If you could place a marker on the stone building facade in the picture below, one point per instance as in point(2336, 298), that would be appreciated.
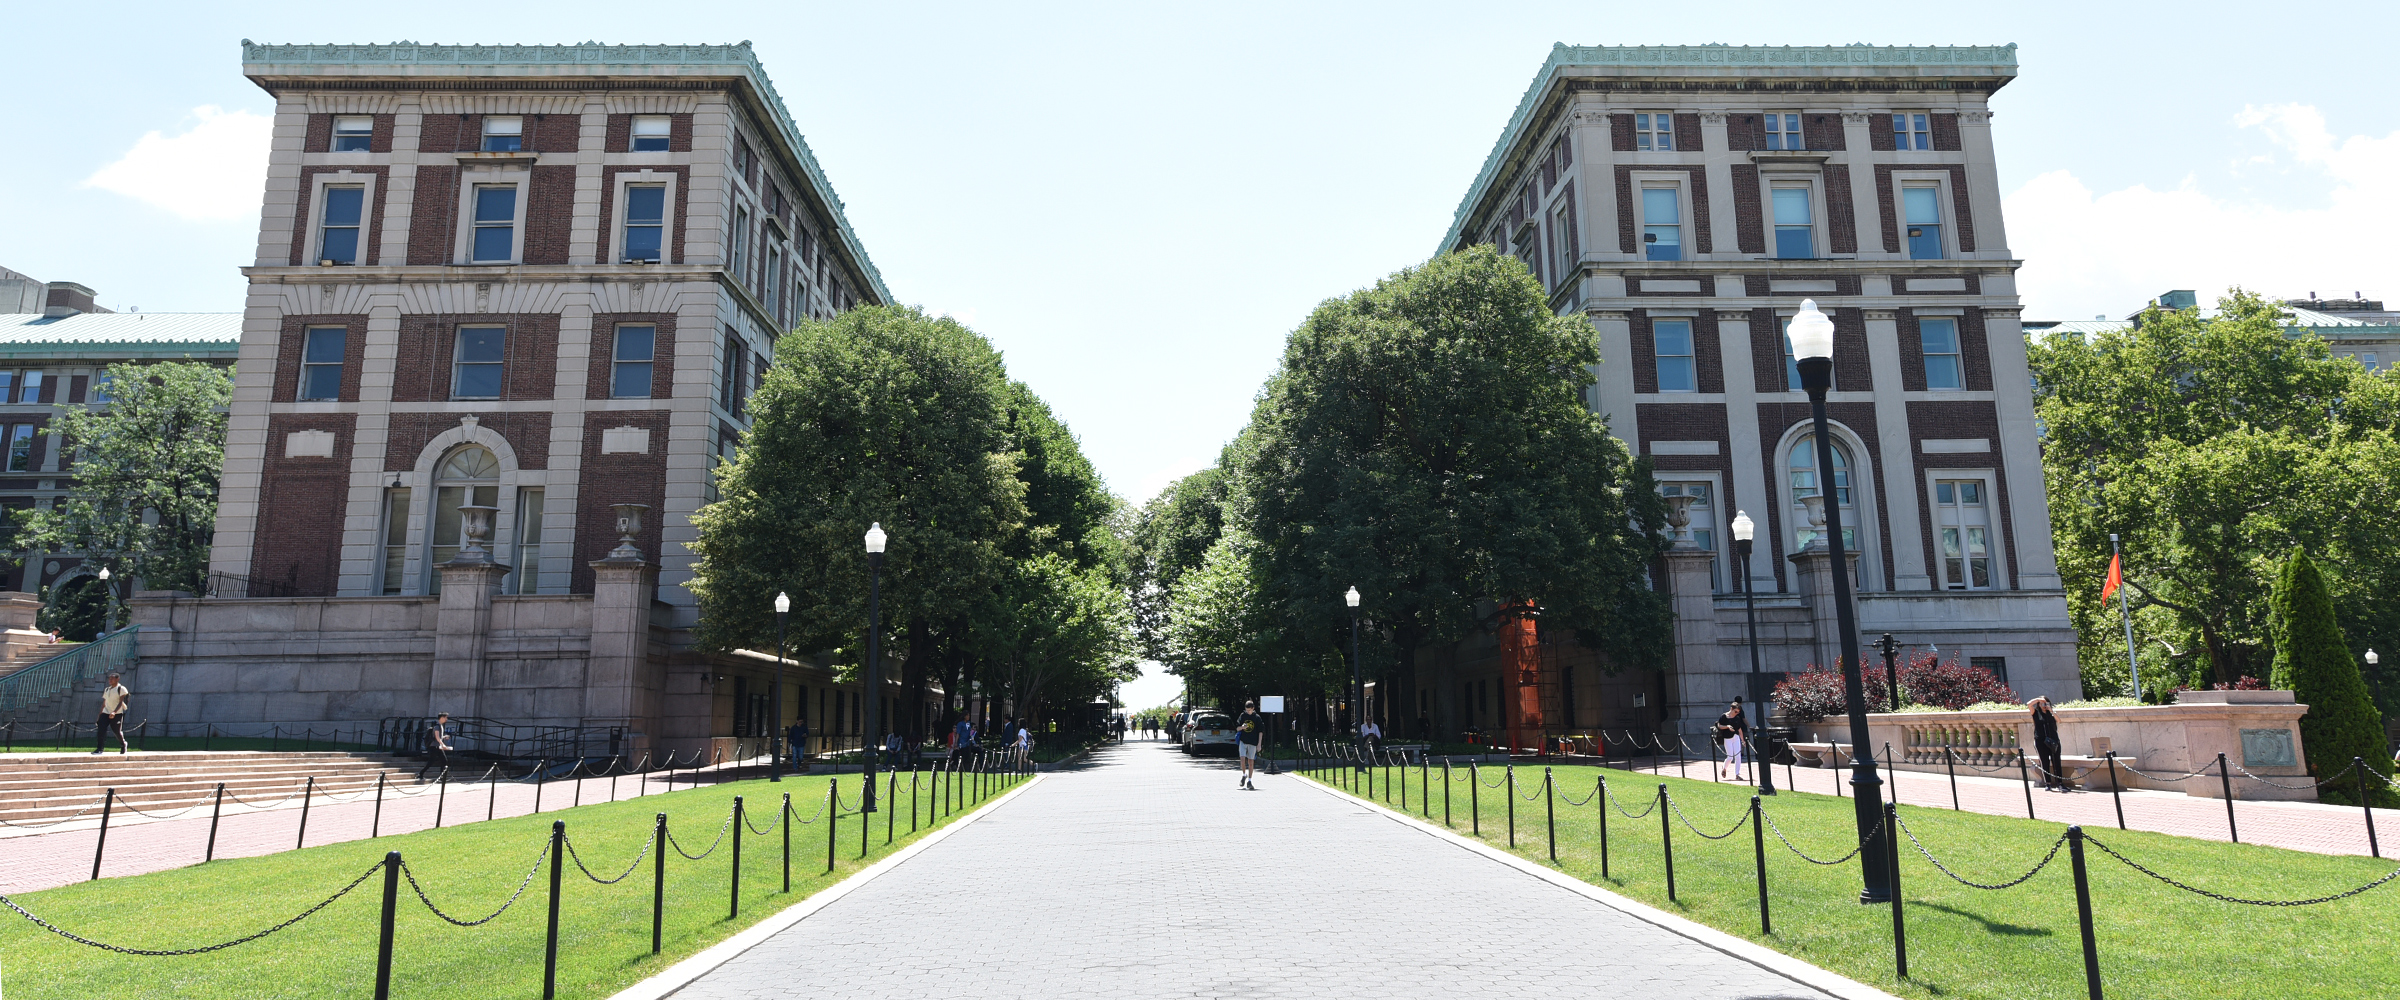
point(1685, 200)
point(512, 288)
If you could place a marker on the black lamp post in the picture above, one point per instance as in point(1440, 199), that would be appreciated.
point(1358, 683)
point(1812, 351)
point(1890, 648)
point(783, 614)
point(1744, 530)
point(868, 721)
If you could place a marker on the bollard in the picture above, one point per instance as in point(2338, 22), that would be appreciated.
point(2116, 789)
point(107, 806)
point(383, 945)
point(1600, 802)
point(1891, 826)
point(213, 812)
point(541, 772)
point(441, 796)
point(1445, 793)
point(1403, 785)
point(1837, 756)
point(2365, 804)
point(890, 817)
point(733, 906)
point(1789, 775)
point(1891, 774)
point(1425, 785)
point(2083, 912)
point(1666, 840)
point(1550, 812)
point(306, 793)
point(1716, 763)
point(1511, 790)
point(658, 881)
point(2225, 779)
point(491, 780)
point(786, 820)
point(1474, 800)
point(2026, 780)
point(1952, 760)
point(558, 846)
point(577, 786)
point(375, 829)
point(1758, 842)
point(833, 820)
point(1679, 771)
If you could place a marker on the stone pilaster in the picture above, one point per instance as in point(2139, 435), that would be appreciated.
point(618, 690)
point(1814, 566)
point(1696, 666)
point(462, 629)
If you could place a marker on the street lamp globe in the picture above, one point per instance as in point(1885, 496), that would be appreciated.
point(1744, 529)
point(1811, 332)
point(1351, 598)
point(104, 578)
point(783, 603)
point(875, 538)
point(2373, 659)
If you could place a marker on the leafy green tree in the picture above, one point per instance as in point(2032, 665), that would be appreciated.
point(2313, 661)
point(1169, 538)
point(143, 500)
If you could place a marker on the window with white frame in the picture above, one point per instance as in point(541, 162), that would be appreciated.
point(650, 133)
point(1921, 211)
point(495, 224)
point(2367, 358)
point(1937, 337)
point(645, 222)
point(353, 133)
point(636, 353)
point(338, 223)
point(1662, 221)
point(476, 365)
point(20, 447)
point(1962, 522)
point(1703, 521)
point(503, 134)
point(525, 573)
point(1795, 222)
point(1910, 131)
point(1807, 483)
point(29, 387)
point(469, 476)
point(321, 362)
point(772, 276)
point(1783, 130)
point(1562, 241)
point(1672, 340)
point(1654, 130)
point(394, 566)
point(741, 245)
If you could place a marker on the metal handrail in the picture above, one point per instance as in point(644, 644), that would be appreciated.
point(68, 670)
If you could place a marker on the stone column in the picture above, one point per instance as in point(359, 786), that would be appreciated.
point(1814, 566)
point(1696, 667)
point(463, 623)
point(617, 691)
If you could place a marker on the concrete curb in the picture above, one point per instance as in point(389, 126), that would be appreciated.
point(675, 977)
point(1830, 983)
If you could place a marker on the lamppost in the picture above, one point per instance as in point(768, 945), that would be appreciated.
point(1890, 648)
point(875, 540)
point(783, 613)
point(1358, 683)
point(1811, 337)
point(1744, 530)
point(108, 624)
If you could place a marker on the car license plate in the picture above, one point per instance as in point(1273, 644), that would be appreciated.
point(1216, 732)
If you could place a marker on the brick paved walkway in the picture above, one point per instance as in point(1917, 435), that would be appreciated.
point(1147, 873)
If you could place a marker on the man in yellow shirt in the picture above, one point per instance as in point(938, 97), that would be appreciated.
point(114, 700)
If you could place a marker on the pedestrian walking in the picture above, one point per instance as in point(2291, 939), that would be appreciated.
point(1246, 732)
point(1732, 730)
point(114, 700)
point(2045, 743)
point(795, 739)
point(437, 745)
point(1372, 734)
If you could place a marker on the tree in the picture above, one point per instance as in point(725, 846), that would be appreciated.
point(143, 500)
point(2313, 661)
point(1170, 537)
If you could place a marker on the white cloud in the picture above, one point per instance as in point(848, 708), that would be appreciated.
point(214, 171)
point(2108, 253)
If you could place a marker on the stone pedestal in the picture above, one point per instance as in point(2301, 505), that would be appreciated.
point(1698, 674)
point(462, 629)
point(620, 690)
point(1814, 566)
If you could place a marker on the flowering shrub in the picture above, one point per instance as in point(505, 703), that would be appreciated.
point(1816, 693)
point(2244, 683)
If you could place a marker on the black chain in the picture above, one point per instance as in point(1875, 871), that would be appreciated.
point(712, 846)
point(69, 818)
point(1587, 800)
point(770, 827)
point(237, 800)
point(1646, 810)
point(1687, 821)
point(2010, 884)
point(411, 875)
point(587, 872)
point(1787, 842)
point(2311, 784)
point(138, 811)
point(119, 949)
point(2222, 898)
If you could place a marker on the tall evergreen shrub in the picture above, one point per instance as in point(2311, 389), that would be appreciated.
point(2313, 661)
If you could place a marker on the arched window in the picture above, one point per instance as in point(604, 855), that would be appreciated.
point(1806, 483)
point(469, 475)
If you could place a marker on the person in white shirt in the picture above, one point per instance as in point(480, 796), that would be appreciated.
point(114, 700)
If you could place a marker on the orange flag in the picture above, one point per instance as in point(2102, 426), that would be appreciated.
point(2116, 577)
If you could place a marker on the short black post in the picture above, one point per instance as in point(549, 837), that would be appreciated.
point(1666, 839)
point(491, 780)
point(2116, 789)
point(1891, 773)
point(108, 806)
point(1445, 792)
point(1679, 771)
point(307, 793)
point(1951, 759)
point(375, 829)
point(1550, 812)
point(214, 812)
point(1758, 841)
point(1474, 800)
point(1601, 802)
point(1512, 805)
point(1837, 762)
point(833, 820)
point(890, 817)
point(1716, 763)
point(1891, 826)
point(733, 906)
point(913, 796)
point(541, 774)
point(2026, 779)
point(1425, 785)
point(2225, 780)
point(441, 796)
point(391, 907)
point(558, 846)
point(2366, 805)
point(658, 881)
point(2083, 912)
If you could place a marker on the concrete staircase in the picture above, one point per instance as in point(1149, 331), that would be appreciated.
point(18, 651)
point(48, 787)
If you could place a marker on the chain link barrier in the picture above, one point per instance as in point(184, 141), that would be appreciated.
point(1687, 822)
point(1963, 880)
point(587, 871)
point(1804, 856)
point(69, 819)
point(2223, 898)
point(411, 875)
point(712, 846)
point(204, 949)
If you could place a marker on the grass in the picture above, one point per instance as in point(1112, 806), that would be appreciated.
point(2015, 944)
point(604, 930)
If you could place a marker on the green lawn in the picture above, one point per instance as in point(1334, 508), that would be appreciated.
point(2015, 944)
point(604, 930)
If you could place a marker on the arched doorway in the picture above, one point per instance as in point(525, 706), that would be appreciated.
point(469, 475)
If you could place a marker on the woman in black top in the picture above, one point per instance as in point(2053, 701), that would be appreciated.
point(2045, 743)
point(1733, 729)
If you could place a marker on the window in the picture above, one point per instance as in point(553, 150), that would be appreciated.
point(645, 221)
point(338, 237)
point(1909, 131)
point(1805, 483)
point(20, 448)
point(1662, 218)
point(503, 134)
point(321, 362)
point(495, 223)
point(637, 348)
point(1997, 665)
point(741, 245)
point(100, 383)
point(1921, 207)
point(2367, 359)
point(1654, 130)
point(729, 393)
point(1965, 530)
point(8, 387)
point(469, 477)
point(1783, 131)
point(353, 133)
point(771, 278)
point(29, 387)
point(650, 133)
point(525, 564)
point(1562, 228)
point(1703, 521)
point(476, 367)
point(1938, 336)
point(1673, 340)
point(395, 540)
point(1795, 230)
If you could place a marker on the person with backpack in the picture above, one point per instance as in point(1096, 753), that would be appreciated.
point(1247, 731)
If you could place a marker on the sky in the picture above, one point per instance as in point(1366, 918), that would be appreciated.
point(1137, 202)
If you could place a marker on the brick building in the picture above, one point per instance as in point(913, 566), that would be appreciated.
point(505, 288)
point(1685, 200)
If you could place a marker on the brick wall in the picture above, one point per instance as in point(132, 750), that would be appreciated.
point(1974, 349)
point(294, 336)
point(621, 478)
point(604, 351)
point(75, 391)
point(1687, 132)
point(428, 345)
point(1749, 222)
point(1824, 132)
point(1852, 371)
point(305, 216)
point(1961, 216)
point(526, 431)
point(1620, 133)
point(1842, 229)
point(433, 221)
point(679, 133)
point(549, 213)
point(319, 138)
point(1944, 125)
point(554, 133)
point(1745, 132)
point(608, 200)
point(1629, 240)
point(302, 503)
point(1708, 358)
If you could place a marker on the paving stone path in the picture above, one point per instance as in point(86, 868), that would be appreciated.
point(1147, 873)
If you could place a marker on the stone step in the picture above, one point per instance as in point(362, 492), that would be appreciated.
point(50, 787)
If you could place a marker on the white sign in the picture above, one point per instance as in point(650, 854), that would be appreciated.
point(1270, 703)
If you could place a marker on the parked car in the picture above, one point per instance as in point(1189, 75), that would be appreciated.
point(1211, 733)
